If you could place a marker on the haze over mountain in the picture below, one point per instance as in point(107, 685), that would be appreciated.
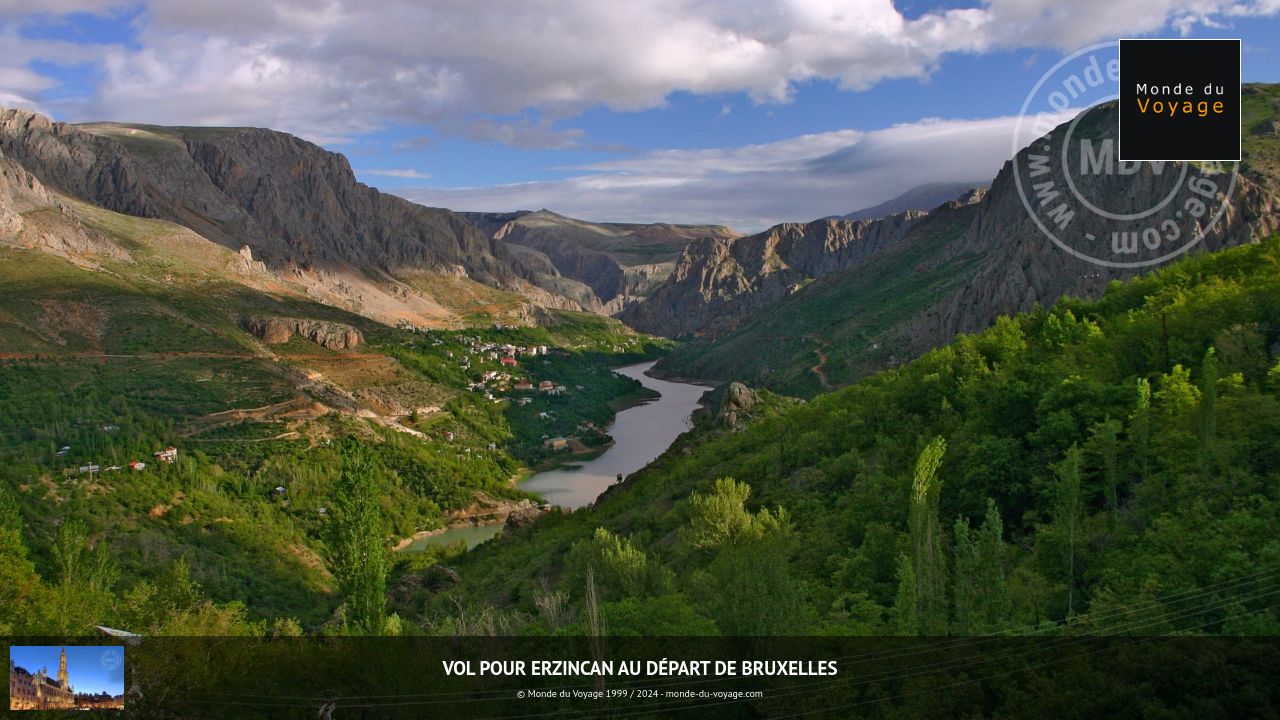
point(617, 263)
point(921, 197)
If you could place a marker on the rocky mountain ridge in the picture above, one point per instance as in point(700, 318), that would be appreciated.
point(718, 281)
point(956, 270)
point(296, 207)
point(618, 263)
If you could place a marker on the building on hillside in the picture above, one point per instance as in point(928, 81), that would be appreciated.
point(38, 691)
point(556, 444)
point(168, 454)
point(524, 385)
point(508, 361)
point(137, 465)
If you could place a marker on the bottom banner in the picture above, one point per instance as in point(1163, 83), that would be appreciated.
point(618, 677)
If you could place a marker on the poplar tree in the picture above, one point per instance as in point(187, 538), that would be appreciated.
point(980, 593)
point(1067, 508)
point(358, 554)
point(928, 561)
point(1208, 398)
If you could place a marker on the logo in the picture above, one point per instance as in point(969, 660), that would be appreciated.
point(1100, 209)
point(111, 658)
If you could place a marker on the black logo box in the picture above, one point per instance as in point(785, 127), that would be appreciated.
point(1181, 65)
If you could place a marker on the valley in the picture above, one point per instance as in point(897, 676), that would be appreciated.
point(236, 380)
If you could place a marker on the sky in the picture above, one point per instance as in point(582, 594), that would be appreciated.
point(86, 669)
point(745, 113)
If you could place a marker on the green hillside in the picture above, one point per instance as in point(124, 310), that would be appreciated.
point(1109, 465)
point(838, 318)
point(116, 355)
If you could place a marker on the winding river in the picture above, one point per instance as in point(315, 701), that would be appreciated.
point(640, 434)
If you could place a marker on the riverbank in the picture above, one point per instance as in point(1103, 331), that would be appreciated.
point(648, 422)
point(640, 434)
point(489, 512)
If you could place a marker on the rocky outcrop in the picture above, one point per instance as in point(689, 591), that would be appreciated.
point(277, 330)
point(522, 517)
point(737, 405)
point(617, 262)
point(33, 217)
point(717, 282)
point(292, 202)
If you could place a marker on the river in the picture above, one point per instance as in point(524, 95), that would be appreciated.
point(640, 434)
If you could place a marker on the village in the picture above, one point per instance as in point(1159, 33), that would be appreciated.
point(515, 374)
point(168, 455)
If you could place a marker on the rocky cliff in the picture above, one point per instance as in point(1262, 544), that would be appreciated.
point(277, 330)
point(293, 203)
point(921, 197)
point(618, 262)
point(718, 281)
point(33, 217)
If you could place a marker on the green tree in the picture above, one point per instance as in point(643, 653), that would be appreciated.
point(1068, 508)
point(1105, 443)
point(1208, 401)
point(928, 560)
point(621, 569)
point(747, 588)
point(85, 576)
point(358, 553)
point(980, 592)
point(720, 517)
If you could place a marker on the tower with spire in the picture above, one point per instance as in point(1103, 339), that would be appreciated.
point(63, 681)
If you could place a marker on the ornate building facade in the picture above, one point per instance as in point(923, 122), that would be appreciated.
point(39, 691)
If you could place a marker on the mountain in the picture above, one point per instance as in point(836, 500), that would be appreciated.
point(958, 270)
point(718, 281)
point(617, 263)
point(286, 203)
point(921, 197)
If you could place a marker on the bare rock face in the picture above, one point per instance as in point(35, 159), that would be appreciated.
point(739, 400)
point(32, 217)
point(618, 262)
point(719, 281)
point(522, 517)
point(291, 202)
point(277, 330)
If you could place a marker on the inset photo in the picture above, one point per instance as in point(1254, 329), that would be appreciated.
point(71, 677)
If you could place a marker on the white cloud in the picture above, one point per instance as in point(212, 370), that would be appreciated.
point(754, 186)
point(395, 173)
point(327, 69)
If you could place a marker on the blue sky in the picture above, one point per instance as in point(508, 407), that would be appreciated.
point(674, 110)
point(85, 667)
